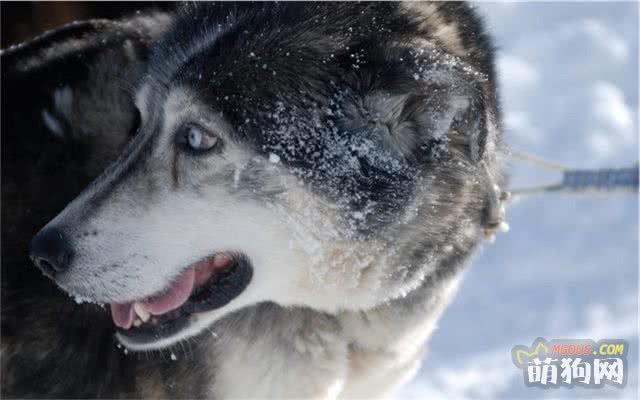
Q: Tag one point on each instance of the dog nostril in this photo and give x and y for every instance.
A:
(51, 251)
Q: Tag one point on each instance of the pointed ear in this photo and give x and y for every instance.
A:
(73, 86)
(61, 45)
(424, 103)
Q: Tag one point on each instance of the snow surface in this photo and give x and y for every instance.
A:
(569, 266)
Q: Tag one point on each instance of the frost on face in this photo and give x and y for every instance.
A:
(358, 150)
(352, 167)
(358, 154)
(274, 158)
(84, 300)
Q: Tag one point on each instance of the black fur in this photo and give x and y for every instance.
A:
(53, 347)
(334, 61)
(328, 71)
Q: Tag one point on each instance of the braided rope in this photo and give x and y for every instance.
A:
(581, 180)
(577, 181)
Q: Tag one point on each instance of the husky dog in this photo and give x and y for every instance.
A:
(304, 188)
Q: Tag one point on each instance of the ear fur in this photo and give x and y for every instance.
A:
(423, 101)
(72, 87)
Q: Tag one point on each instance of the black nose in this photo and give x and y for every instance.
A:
(51, 251)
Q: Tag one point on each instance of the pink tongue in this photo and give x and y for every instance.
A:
(123, 314)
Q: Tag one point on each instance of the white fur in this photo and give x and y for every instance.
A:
(300, 253)
(302, 256)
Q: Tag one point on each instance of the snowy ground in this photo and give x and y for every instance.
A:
(569, 266)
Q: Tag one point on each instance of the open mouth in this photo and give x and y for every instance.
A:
(205, 285)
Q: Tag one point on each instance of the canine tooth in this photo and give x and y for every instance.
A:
(142, 313)
(137, 322)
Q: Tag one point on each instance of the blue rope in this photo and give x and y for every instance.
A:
(573, 181)
(580, 180)
(602, 179)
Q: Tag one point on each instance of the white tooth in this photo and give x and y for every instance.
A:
(137, 322)
(142, 312)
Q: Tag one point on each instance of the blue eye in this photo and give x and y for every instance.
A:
(197, 139)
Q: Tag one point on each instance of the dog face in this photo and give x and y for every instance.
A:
(320, 162)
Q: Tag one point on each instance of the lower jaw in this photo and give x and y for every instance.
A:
(181, 323)
(140, 339)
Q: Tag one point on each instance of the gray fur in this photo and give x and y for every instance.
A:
(358, 188)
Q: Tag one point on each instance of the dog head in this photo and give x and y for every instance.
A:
(326, 156)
